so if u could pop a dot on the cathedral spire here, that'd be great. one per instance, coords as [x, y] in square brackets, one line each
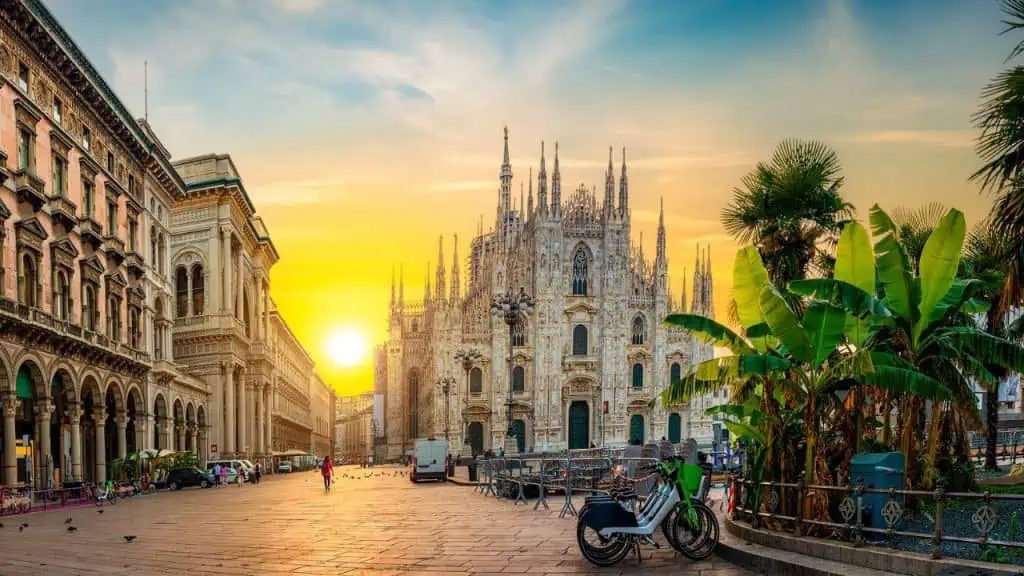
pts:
[454, 299]
[710, 291]
[623, 189]
[661, 235]
[682, 301]
[696, 304]
[522, 205]
[542, 184]
[401, 285]
[556, 188]
[529, 206]
[439, 283]
[609, 188]
[392, 285]
[506, 178]
[426, 289]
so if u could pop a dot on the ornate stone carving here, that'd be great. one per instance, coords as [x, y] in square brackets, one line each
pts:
[6, 61]
[99, 416]
[74, 412]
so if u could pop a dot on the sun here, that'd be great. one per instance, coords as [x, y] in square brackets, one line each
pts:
[346, 347]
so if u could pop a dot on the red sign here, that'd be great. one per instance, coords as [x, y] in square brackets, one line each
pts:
[213, 447]
[605, 406]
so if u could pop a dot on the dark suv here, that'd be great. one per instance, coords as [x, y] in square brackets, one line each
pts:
[185, 477]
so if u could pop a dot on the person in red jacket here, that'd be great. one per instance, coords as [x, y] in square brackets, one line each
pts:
[327, 469]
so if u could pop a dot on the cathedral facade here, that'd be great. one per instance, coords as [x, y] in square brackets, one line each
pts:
[590, 359]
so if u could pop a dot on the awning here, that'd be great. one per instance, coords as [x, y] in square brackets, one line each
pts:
[289, 453]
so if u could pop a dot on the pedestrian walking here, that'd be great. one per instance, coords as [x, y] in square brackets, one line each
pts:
[240, 474]
[258, 473]
[327, 469]
[216, 473]
[224, 475]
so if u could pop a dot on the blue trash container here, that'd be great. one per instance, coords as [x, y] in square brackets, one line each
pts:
[881, 471]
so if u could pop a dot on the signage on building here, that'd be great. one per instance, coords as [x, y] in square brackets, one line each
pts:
[213, 448]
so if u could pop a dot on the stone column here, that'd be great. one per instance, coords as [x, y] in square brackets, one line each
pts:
[121, 420]
[240, 288]
[99, 417]
[202, 447]
[190, 432]
[229, 410]
[259, 420]
[11, 404]
[228, 295]
[45, 465]
[188, 297]
[266, 311]
[268, 410]
[169, 431]
[181, 438]
[75, 419]
[242, 414]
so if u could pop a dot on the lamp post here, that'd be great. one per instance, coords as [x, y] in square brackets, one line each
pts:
[446, 382]
[511, 306]
[467, 357]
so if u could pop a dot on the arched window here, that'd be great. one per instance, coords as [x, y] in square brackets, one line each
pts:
[181, 289]
[197, 290]
[638, 376]
[162, 253]
[674, 373]
[579, 273]
[518, 379]
[519, 333]
[90, 310]
[579, 340]
[476, 381]
[29, 280]
[639, 330]
[63, 303]
[158, 337]
[114, 319]
[415, 327]
[246, 318]
[152, 246]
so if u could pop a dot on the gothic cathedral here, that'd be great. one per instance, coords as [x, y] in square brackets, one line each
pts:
[588, 361]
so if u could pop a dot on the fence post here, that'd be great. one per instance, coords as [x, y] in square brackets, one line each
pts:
[801, 492]
[940, 492]
[542, 497]
[858, 533]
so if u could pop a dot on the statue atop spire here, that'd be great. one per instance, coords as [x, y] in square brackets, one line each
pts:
[556, 188]
[609, 188]
[529, 206]
[661, 260]
[506, 182]
[682, 301]
[454, 298]
[439, 283]
[623, 189]
[542, 184]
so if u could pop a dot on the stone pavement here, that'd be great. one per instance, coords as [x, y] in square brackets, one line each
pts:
[373, 522]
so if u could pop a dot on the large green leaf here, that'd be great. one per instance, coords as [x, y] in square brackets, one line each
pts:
[848, 297]
[939, 262]
[824, 324]
[717, 372]
[748, 277]
[707, 330]
[905, 380]
[985, 347]
[784, 324]
[960, 293]
[894, 268]
[741, 430]
[855, 265]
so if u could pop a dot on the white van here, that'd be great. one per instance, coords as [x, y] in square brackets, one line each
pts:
[429, 460]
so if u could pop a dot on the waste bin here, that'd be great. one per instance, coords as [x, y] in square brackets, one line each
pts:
[471, 467]
[881, 471]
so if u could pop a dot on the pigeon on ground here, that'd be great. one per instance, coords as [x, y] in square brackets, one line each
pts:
[68, 521]
[100, 511]
[129, 538]
[21, 528]
[72, 528]
[25, 525]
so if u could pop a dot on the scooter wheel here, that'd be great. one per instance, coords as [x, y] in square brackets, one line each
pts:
[603, 552]
[698, 541]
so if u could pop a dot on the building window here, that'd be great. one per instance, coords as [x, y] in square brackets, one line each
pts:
[58, 108]
[579, 340]
[674, 373]
[197, 290]
[638, 376]
[163, 252]
[60, 175]
[86, 138]
[133, 328]
[110, 162]
[26, 148]
[518, 379]
[131, 184]
[114, 319]
[62, 306]
[579, 273]
[519, 333]
[112, 219]
[29, 280]
[639, 330]
[90, 311]
[181, 288]
[23, 76]
[476, 381]
[88, 189]
[132, 232]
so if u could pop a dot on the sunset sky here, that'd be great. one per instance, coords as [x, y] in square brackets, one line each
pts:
[363, 130]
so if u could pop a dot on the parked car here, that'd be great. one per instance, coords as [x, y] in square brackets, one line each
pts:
[429, 460]
[186, 477]
[232, 473]
[284, 466]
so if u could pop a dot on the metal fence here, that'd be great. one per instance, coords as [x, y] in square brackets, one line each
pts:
[842, 510]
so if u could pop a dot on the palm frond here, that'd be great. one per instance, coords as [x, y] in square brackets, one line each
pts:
[707, 330]
[1000, 118]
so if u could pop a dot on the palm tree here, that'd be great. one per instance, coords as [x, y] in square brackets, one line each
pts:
[1001, 147]
[987, 257]
[791, 209]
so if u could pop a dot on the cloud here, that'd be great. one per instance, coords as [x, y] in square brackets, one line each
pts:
[298, 5]
[941, 138]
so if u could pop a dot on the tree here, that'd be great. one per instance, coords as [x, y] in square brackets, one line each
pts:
[791, 209]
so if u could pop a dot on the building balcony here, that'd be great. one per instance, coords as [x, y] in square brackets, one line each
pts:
[30, 188]
[114, 247]
[70, 339]
[90, 231]
[134, 263]
[63, 210]
[574, 362]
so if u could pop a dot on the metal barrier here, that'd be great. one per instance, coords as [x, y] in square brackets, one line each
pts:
[851, 509]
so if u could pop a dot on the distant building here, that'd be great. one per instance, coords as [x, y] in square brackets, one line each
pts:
[354, 427]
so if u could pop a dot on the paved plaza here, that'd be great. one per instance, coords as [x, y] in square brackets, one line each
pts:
[373, 522]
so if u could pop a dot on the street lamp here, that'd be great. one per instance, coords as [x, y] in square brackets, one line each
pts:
[510, 306]
[446, 382]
